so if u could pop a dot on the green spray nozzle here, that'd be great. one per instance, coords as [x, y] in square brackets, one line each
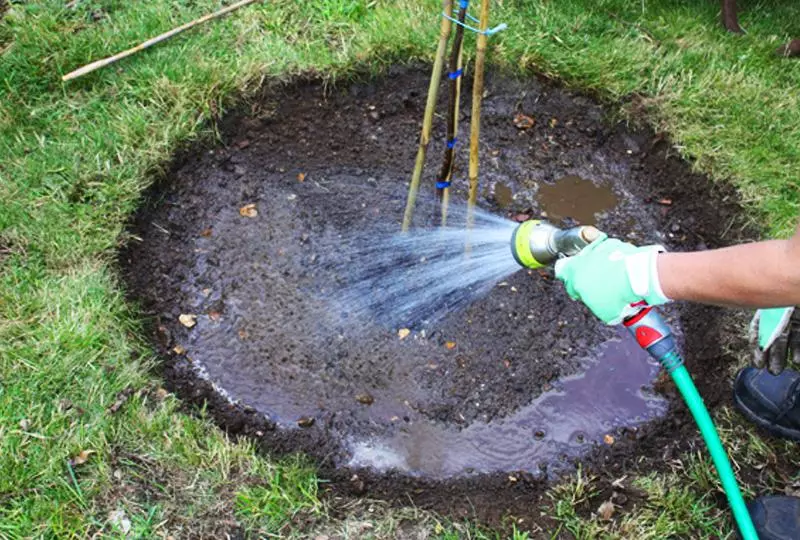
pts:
[537, 243]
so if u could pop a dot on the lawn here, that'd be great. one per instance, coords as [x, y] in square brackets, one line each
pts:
[92, 443]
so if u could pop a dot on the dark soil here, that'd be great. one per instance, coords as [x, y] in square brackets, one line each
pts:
[267, 356]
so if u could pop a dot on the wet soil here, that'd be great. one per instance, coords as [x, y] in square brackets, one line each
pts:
[238, 236]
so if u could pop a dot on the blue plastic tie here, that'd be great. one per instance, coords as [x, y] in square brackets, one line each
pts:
[487, 32]
[452, 142]
[463, 4]
[442, 185]
[455, 74]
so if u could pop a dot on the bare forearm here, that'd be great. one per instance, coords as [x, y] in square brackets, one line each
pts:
[761, 274]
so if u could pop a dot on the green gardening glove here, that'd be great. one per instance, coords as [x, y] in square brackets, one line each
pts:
[610, 275]
[775, 336]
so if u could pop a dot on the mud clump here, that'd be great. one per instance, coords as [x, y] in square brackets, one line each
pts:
[524, 380]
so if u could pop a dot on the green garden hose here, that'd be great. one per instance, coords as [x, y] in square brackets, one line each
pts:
[654, 336]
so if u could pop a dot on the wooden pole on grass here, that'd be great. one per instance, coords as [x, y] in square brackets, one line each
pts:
[430, 106]
[150, 42]
[475, 121]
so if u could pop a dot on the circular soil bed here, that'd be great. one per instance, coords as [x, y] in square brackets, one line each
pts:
[233, 249]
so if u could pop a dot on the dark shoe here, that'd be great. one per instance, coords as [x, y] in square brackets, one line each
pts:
[771, 401]
[776, 518]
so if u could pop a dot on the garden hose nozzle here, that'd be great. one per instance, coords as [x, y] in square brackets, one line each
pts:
[536, 243]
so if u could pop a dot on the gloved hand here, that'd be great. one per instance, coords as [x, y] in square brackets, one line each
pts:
[775, 336]
[609, 275]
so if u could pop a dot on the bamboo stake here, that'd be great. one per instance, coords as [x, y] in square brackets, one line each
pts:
[150, 42]
[475, 121]
[430, 106]
[446, 192]
[452, 109]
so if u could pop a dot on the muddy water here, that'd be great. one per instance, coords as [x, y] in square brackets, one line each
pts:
[503, 195]
[576, 198]
[521, 378]
[592, 408]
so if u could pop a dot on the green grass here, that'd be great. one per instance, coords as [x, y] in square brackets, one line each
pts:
[75, 158]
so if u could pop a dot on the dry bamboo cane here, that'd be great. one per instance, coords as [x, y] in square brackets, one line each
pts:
[475, 121]
[446, 192]
[430, 106]
[150, 42]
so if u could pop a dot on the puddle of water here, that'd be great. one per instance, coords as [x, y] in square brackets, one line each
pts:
[563, 423]
[577, 198]
[503, 195]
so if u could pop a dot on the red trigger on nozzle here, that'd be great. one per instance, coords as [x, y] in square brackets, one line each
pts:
[646, 336]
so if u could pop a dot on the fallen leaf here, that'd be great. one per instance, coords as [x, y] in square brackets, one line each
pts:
[81, 458]
[553, 122]
[608, 439]
[244, 143]
[178, 349]
[365, 399]
[606, 510]
[206, 232]
[122, 397]
[450, 345]
[65, 405]
[118, 519]
[214, 315]
[248, 210]
[161, 393]
[306, 421]
[523, 121]
[24, 424]
[243, 334]
[403, 333]
[792, 490]
[301, 177]
[188, 320]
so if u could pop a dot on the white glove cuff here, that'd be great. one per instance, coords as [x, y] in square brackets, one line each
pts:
[642, 270]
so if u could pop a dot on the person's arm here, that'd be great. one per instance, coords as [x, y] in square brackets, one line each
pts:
[761, 274]
[613, 278]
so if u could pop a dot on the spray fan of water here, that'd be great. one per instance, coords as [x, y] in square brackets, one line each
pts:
[416, 278]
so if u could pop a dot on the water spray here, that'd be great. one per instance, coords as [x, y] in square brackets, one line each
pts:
[535, 244]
